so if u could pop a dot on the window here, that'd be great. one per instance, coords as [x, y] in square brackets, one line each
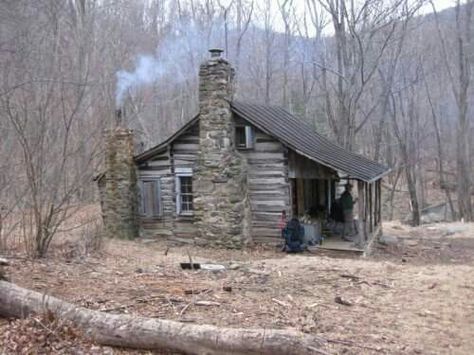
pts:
[150, 197]
[184, 191]
[244, 137]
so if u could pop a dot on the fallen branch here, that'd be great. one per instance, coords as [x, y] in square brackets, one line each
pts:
[281, 303]
[349, 276]
[155, 334]
[207, 303]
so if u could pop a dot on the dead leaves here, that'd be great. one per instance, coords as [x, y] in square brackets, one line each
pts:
[43, 334]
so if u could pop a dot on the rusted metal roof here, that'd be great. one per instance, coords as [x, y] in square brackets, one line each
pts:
[302, 138]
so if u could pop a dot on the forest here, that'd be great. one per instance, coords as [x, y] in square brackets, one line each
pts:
[391, 80]
[376, 77]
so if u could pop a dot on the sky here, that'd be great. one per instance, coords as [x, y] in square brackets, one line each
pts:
[439, 4]
[300, 5]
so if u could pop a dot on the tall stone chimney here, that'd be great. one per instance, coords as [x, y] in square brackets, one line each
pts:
[120, 189]
[220, 182]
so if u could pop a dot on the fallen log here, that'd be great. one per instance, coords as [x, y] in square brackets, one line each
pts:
[155, 334]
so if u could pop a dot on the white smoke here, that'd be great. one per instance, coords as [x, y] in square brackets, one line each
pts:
[147, 71]
[177, 57]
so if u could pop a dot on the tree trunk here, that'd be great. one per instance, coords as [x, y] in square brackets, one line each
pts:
[146, 333]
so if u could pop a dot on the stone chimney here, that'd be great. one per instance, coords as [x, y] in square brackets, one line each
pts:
[120, 189]
[220, 180]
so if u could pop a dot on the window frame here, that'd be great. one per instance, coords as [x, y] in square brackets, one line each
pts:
[183, 173]
[249, 133]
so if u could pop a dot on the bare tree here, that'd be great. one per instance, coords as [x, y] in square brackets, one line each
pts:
[458, 67]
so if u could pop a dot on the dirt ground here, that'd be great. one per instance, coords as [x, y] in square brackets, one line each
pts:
[415, 297]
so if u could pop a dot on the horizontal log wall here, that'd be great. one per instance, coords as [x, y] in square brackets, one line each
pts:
[184, 152]
[159, 166]
[304, 168]
[268, 187]
[181, 154]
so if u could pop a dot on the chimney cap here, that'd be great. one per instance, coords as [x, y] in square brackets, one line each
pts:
[215, 52]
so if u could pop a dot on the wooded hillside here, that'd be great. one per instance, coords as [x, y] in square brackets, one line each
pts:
[375, 76]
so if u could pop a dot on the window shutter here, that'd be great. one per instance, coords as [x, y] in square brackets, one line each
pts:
[249, 137]
[178, 195]
[149, 197]
[141, 198]
[157, 197]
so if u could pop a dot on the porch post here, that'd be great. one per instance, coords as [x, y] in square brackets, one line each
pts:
[379, 189]
[371, 207]
[300, 196]
[361, 211]
[328, 186]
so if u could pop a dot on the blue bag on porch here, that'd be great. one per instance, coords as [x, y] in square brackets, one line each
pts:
[293, 234]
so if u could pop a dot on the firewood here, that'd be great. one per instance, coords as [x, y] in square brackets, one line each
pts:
[155, 334]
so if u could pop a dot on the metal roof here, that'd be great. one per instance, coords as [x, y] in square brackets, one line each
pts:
[296, 135]
[302, 138]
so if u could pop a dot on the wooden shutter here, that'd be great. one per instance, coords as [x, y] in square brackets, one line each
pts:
[157, 206]
[249, 137]
[150, 198]
[141, 198]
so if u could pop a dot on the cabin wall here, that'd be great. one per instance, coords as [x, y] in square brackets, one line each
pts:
[301, 167]
[184, 153]
[160, 166]
[268, 186]
[181, 154]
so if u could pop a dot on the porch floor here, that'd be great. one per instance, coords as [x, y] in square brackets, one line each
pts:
[334, 241]
[337, 243]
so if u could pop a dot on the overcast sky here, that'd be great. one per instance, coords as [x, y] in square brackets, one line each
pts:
[300, 5]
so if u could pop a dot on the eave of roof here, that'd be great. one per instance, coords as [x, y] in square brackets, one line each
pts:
[163, 145]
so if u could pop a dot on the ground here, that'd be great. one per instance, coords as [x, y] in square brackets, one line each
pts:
[413, 297]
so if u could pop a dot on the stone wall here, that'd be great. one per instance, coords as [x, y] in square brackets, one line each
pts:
[119, 191]
[221, 207]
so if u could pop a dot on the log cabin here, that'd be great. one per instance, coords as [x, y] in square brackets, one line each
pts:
[225, 177]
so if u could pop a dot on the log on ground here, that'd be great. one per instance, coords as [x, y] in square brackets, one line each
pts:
[154, 334]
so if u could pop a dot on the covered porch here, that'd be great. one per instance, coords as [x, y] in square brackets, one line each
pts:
[315, 190]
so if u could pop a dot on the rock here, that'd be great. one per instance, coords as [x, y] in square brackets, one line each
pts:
[213, 267]
[412, 243]
[4, 262]
[3, 274]
[388, 240]
[234, 266]
[450, 230]
[340, 300]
